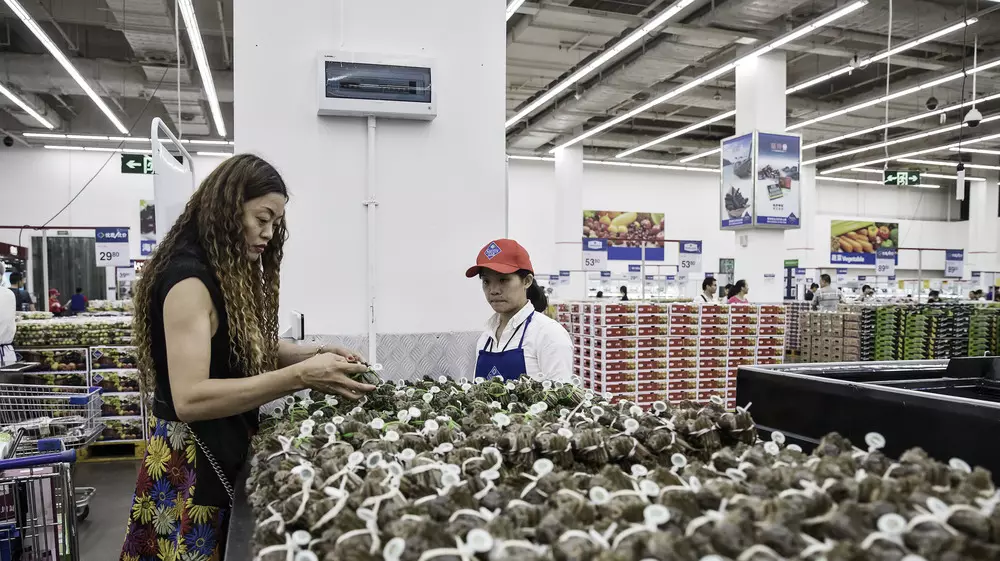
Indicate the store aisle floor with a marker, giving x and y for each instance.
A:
(102, 533)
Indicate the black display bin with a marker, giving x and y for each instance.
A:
(951, 409)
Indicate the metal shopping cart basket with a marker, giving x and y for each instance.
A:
(37, 518)
(52, 419)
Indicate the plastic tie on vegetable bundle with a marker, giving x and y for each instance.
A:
(275, 517)
(306, 474)
(755, 549)
(541, 467)
(815, 546)
(710, 516)
(890, 528)
(286, 448)
(653, 517)
(937, 512)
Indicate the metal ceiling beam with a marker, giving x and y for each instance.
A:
(533, 8)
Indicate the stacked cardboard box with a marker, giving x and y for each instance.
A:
(831, 336)
(647, 352)
(794, 315)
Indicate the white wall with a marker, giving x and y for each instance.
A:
(35, 183)
(439, 185)
(689, 200)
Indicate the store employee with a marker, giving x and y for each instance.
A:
(7, 326)
(519, 338)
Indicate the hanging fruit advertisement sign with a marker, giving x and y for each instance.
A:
(626, 233)
(855, 242)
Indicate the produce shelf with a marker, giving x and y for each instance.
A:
(115, 370)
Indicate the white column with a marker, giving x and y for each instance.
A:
(760, 105)
(984, 225)
(568, 223)
(439, 184)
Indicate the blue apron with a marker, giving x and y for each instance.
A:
(508, 364)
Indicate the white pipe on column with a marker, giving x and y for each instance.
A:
(370, 203)
(506, 196)
(43, 298)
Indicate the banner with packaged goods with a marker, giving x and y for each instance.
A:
(626, 232)
(854, 242)
(736, 182)
(776, 191)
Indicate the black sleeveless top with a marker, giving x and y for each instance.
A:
(227, 438)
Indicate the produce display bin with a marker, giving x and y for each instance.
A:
(947, 407)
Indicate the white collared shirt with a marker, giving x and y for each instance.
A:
(7, 327)
(548, 348)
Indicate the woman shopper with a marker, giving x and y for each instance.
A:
(517, 340)
(206, 331)
(738, 293)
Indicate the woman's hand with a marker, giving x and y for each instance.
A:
(330, 373)
(344, 352)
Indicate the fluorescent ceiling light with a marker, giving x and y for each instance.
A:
(26, 108)
(701, 155)
(899, 122)
(119, 138)
(900, 140)
(513, 7)
(715, 73)
(956, 145)
(873, 182)
(97, 149)
(212, 142)
(598, 61)
(194, 35)
(217, 154)
(676, 133)
(894, 95)
(621, 164)
(945, 163)
(977, 150)
(883, 55)
(33, 26)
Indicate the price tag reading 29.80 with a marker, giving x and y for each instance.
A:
(111, 247)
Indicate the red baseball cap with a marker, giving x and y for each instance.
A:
(502, 256)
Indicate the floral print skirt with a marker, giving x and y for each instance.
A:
(164, 523)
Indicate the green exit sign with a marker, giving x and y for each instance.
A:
(901, 177)
(791, 263)
(137, 163)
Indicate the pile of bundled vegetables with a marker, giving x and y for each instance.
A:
(457, 471)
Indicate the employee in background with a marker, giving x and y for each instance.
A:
(78, 302)
(867, 293)
(8, 303)
(827, 298)
(708, 288)
(811, 293)
(20, 294)
(738, 292)
(624, 291)
(517, 341)
(600, 294)
(54, 306)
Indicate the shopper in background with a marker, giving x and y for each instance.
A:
(738, 292)
(3, 275)
(827, 297)
(77, 302)
(708, 288)
(933, 297)
(600, 294)
(811, 293)
(23, 299)
(206, 334)
(8, 304)
(624, 293)
(517, 341)
(867, 293)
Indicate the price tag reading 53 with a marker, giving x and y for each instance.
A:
(595, 254)
(690, 256)
(111, 247)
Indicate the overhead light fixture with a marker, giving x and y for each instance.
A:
(194, 36)
(598, 61)
(945, 163)
(215, 154)
(676, 133)
(956, 145)
(900, 140)
(700, 155)
(620, 164)
(977, 150)
(894, 95)
(873, 182)
(97, 149)
(513, 7)
(898, 122)
(100, 137)
(36, 29)
(25, 107)
(883, 55)
(715, 73)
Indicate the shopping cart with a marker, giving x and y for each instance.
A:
(36, 500)
(52, 419)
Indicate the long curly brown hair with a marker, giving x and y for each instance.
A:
(213, 220)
